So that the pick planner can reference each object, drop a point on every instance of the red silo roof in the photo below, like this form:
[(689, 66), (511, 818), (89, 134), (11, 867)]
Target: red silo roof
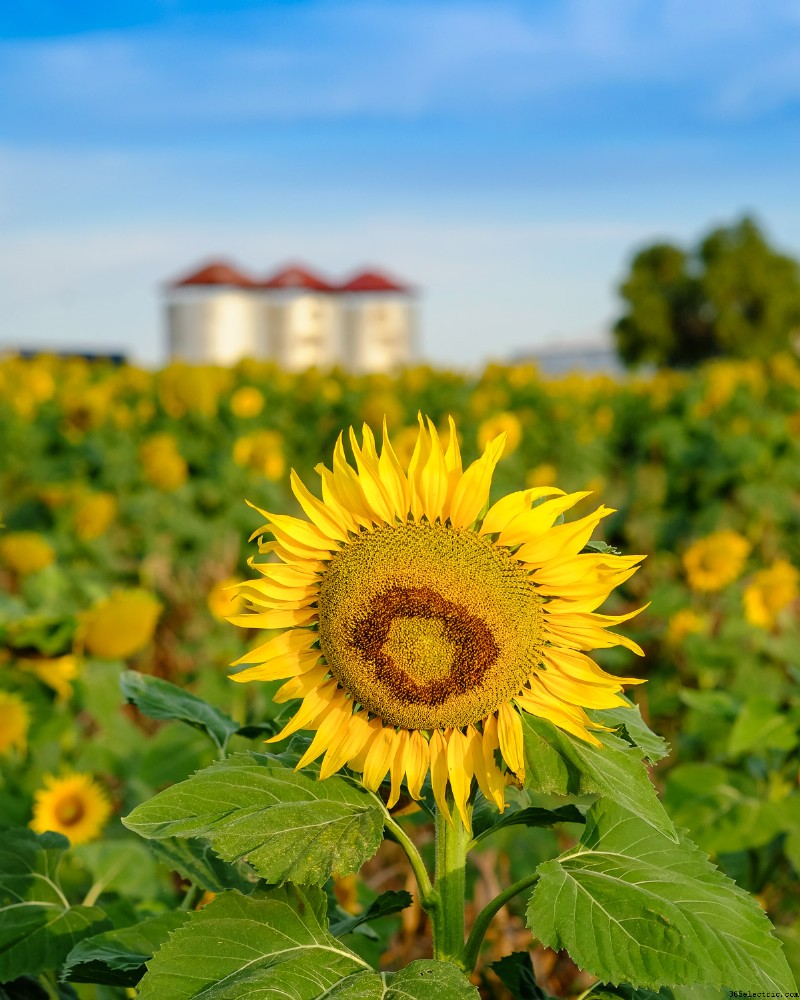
[(372, 281), (216, 273), (297, 277)]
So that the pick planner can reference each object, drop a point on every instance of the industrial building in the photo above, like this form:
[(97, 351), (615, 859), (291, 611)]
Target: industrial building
[(296, 318)]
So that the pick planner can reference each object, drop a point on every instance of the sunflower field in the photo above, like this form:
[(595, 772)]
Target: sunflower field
[(128, 602)]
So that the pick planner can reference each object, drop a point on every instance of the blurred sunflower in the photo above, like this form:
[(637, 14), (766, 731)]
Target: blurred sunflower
[(93, 515), (769, 592), (417, 625), (501, 423), (15, 720), (222, 601), (684, 622), (25, 552), (57, 673), (119, 625), (163, 466), (713, 562), (247, 402), (75, 805), (261, 451)]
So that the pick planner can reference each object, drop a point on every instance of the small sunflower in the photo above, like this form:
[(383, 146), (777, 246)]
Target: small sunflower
[(713, 562), (75, 805), (769, 592), (15, 719), (120, 625), (25, 552), (416, 625)]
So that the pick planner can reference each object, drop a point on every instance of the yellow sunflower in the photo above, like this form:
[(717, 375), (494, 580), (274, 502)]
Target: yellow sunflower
[(75, 805), (713, 562), (416, 624), (15, 720), (769, 592), (119, 625)]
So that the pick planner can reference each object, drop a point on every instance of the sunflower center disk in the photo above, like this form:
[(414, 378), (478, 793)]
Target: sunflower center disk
[(70, 810), (427, 626)]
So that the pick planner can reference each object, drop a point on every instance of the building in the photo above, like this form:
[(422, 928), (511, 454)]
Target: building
[(296, 318), (595, 356)]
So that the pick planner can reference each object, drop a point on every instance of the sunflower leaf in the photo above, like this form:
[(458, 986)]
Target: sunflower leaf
[(286, 824), (559, 764), (195, 861), (530, 816), (515, 972), (631, 906), (38, 927), (633, 729), (117, 958), (238, 947), (158, 699), (392, 901)]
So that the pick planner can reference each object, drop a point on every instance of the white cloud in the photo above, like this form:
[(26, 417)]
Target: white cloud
[(340, 61)]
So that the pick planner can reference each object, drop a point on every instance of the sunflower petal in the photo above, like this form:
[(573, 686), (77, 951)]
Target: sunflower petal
[(459, 769), (472, 492), (500, 514), (509, 732), (438, 750)]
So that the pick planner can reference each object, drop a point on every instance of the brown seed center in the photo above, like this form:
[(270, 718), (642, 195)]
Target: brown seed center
[(468, 640)]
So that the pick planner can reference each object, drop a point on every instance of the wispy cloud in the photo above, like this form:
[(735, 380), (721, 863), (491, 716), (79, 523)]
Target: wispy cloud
[(323, 61)]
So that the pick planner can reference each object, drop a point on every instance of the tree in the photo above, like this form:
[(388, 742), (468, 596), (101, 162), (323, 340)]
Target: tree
[(733, 295)]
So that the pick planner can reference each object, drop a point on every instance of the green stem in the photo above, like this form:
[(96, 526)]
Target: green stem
[(428, 898), (487, 914), (452, 843), (192, 897)]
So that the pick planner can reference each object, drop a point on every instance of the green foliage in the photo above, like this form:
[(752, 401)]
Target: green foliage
[(117, 958), (732, 296), (161, 700), (558, 763), (286, 824), (631, 906), (240, 947), (38, 927)]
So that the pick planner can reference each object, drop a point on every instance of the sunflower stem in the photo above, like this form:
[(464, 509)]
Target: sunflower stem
[(452, 843), (427, 896), (487, 914)]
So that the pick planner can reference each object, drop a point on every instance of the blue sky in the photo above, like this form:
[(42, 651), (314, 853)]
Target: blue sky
[(506, 157)]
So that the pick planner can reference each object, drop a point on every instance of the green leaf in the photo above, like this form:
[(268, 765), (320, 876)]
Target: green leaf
[(125, 867), (425, 979), (560, 764), (392, 901), (724, 811), (626, 992), (515, 972), (530, 816), (631, 906), (634, 729), (196, 862), (117, 958), (760, 725), (24, 989), (240, 948), (287, 825), (38, 927), (237, 945), (159, 699)]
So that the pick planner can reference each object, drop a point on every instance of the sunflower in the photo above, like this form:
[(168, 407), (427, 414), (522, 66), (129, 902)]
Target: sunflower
[(713, 562), (119, 625), (769, 592), (416, 625), (75, 805), (15, 720), (25, 552)]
